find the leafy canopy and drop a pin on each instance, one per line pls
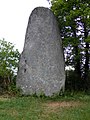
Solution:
(9, 58)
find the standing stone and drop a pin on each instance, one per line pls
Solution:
(41, 66)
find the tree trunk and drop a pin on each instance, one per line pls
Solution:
(86, 66)
(77, 63)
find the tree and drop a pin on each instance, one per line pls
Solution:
(9, 58)
(74, 22)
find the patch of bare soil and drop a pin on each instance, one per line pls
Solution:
(53, 107)
(4, 97)
(56, 107)
(63, 104)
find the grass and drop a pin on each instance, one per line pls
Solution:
(68, 107)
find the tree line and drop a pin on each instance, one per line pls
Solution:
(74, 22)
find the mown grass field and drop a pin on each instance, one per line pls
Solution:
(71, 107)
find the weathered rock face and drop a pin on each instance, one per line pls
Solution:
(41, 67)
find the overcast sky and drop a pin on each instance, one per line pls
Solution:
(14, 16)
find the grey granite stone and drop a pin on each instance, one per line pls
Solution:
(41, 66)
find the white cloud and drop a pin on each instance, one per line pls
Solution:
(14, 16)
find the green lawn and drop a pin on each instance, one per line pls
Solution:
(75, 107)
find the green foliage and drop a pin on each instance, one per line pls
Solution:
(74, 21)
(9, 58)
(87, 39)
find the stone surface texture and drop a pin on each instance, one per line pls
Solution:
(41, 66)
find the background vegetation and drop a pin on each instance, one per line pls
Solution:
(9, 58)
(74, 22)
